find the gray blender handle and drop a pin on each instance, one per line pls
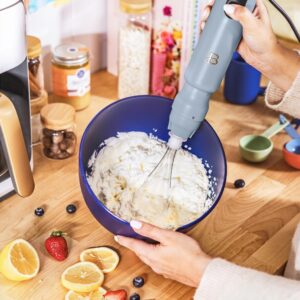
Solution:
(206, 69)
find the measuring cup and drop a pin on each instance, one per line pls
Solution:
(291, 150)
(257, 148)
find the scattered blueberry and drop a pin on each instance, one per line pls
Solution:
(239, 183)
(39, 212)
(135, 296)
(138, 281)
(71, 209)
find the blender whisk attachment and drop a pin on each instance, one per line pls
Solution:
(157, 187)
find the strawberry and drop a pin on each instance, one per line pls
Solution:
(56, 245)
(116, 295)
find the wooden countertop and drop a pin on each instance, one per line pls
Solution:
(252, 227)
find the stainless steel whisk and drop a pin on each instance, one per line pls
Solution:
(160, 179)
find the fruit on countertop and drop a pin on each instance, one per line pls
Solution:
(98, 294)
(19, 261)
(116, 295)
(138, 281)
(104, 257)
(39, 211)
(94, 295)
(135, 296)
(239, 183)
(71, 295)
(71, 208)
(56, 245)
(82, 277)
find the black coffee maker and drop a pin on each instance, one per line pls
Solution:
(15, 132)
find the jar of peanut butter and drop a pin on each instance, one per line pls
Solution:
(71, 75)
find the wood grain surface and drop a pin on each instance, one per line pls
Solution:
(252, 226)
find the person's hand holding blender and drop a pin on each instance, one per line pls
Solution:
(259, 46)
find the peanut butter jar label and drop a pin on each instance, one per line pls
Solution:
(71, 82)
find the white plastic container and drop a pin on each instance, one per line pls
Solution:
(134, 47)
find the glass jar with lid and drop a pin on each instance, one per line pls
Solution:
(71, 75)
(58, 134)
(38, 94)
(134, 47)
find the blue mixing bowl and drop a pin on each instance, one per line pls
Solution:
(149, 114)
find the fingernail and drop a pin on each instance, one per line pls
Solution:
(116, 239)
(205, 13)
(211, 2)
(229, 9)
(136, 224)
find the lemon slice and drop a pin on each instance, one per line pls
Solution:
(98, 294)
(19, 261)
(105, 258)
(95, 295)
(71, 295)
(82, 277)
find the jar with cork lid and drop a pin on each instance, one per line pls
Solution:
(71, 77)
(58, 134)
(38, 94)
(134, 47)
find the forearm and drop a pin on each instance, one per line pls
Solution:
(224, 280)
(281, 66)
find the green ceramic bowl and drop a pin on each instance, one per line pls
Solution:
(255, 148)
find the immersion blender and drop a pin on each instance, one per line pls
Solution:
(203, 77)
(205, 71)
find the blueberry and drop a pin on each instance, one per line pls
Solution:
(39, 212)
(71, 209)
(135, 296)
(239, 183)
(138, 281)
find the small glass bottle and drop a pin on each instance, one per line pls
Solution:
(38, 94)
(71, 75)
(58, 134)
(134, 47)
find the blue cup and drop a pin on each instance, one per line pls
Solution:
(242, 82)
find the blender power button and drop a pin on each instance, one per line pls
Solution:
(213, 59)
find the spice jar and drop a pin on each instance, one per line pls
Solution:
(134, 47)
(71, 75)
(58, 134)
(38, 94)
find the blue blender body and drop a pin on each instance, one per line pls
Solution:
(205, 71)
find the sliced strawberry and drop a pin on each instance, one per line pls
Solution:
(116, 295)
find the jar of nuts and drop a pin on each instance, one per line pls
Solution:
(58, 134)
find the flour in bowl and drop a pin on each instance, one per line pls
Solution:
(123, 165)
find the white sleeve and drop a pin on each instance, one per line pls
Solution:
(223, 280)
(292, 269)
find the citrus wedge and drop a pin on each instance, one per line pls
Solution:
(82, 277)
(105, 258)
(19, 261)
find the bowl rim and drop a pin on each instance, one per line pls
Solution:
(290, 153)
(99, 203)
